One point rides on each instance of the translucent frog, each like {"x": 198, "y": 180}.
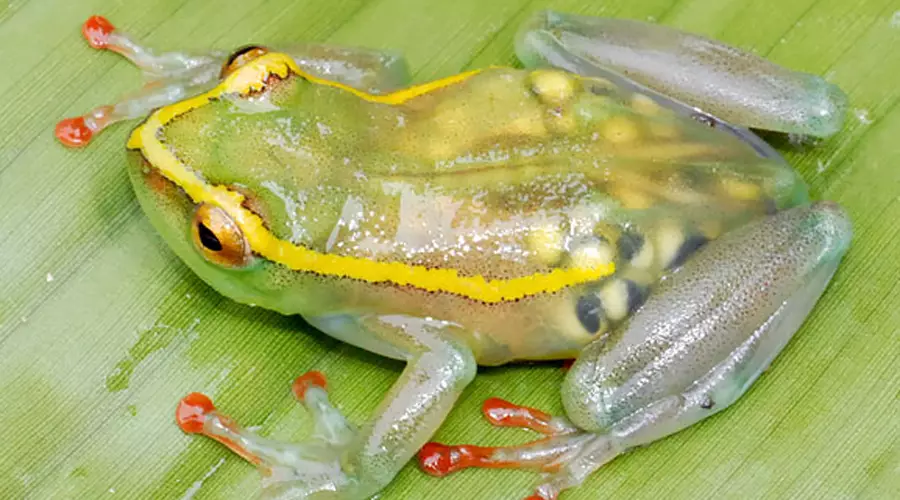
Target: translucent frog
{"x": 605, "y": 204}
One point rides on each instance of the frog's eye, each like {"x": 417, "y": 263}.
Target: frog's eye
{"x": 218, "y": 238}
{"x": 241, "y": 57}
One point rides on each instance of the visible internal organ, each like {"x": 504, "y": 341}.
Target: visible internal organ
{"x": 642, "y": 255}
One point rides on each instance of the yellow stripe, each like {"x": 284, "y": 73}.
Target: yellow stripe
{"x": 252, "y": 77}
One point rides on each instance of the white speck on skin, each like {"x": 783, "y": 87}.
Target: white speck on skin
{"x": 189, "y": 494}
{"x": 895, "y": 19}
{"x": 49, "y": 277}
{"x": 24, "y": 319}
{"x": 187, "y": 295}
{"x": 863, "y": 116}
{"x": 294, "y": 206}
{"x": 323, "y": 129}
{"x": 112, "y": 490}
{"x": 821, "y": 166}
{"x": 797, "y": 140}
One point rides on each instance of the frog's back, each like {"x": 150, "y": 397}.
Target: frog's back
{"x": 505, "y": 175}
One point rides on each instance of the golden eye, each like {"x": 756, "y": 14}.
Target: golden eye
{"x": 240, "y": 57}
{"x": 218, "y": 238}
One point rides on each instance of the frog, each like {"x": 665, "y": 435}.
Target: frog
{"x": 606, "y": 202}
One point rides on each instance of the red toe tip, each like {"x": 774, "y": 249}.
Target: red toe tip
{"x": 192, "y": 411}
{"x": 491, "y": 403}
{"x": 435, "y": 460}
{"x": 73, "y": 132}
{"x": 96, "y": 31}
{"x": 307, "y": 380}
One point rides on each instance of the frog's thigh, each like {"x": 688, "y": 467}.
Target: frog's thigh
{"x": 439, "y": 368}
{"x": 710, "y": 329}
{"x": 736, "y": 86}
{"x": 369, "y": 70}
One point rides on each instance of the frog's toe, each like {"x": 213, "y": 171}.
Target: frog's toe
{"x": 75, "y": 132}
{"x": 502, "y": 413}
{"x": 298, "y": 468}
{"x": 546, "y": 454}
{"x": 97, "y": 30}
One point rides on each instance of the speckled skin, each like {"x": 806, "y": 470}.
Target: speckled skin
{"x": 762, "y": 278}
{"x": 504, "y": 175}
{"x": 719, "y": 79}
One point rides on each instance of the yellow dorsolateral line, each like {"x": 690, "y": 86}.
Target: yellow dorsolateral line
{"x": 252, "y": 77}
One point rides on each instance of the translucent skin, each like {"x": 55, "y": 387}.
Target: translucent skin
{"x": 508, "y": 193}
{"x": 731, "y": 84}
{"x": 494, "y": 216}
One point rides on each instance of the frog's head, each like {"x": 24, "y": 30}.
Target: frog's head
{"x": 209, "y": 164}
{"x": 170, "y": 77}
{"x": 202, "y": 184}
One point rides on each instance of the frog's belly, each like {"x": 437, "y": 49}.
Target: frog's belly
{"x": 538, "y": 327}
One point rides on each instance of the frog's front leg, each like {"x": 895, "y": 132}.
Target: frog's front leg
{"x": 697, "y": 344}
{"x": 725, "y": 82}
{"x": 174, "y": 76}
{"x": 340, "y": 460}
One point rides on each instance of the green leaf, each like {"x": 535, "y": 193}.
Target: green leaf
{"x": 102, "y": 329}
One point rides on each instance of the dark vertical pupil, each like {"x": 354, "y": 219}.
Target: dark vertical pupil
{"x": 207, "y": 238}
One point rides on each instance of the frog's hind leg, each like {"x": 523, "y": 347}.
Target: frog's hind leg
{"x": 695, "y": 346}
{"x": 725, "y": 82}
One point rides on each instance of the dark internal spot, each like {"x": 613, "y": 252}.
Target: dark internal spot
{"x": 637, "y": 295}
{"x": 208, "y": 238}
{"x": 771, "y": 207}
{"x": 707, "y": 403}
{"x": 590, "y": 312}
{"x": 630, "y": 244}
{"x": 693, "y": 243}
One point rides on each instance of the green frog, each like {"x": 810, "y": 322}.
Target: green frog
{"x": 605, "y": 204}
